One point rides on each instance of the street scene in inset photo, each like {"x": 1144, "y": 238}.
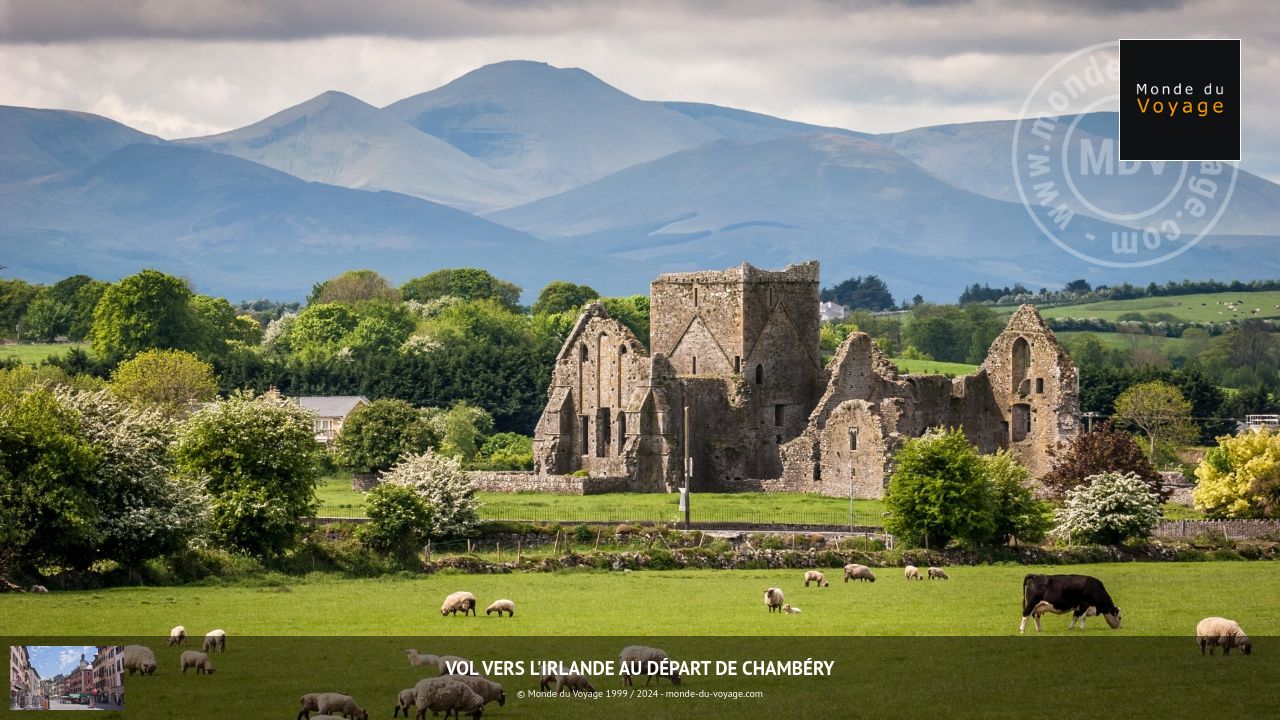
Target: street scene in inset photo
{"x": 66, "y": 677}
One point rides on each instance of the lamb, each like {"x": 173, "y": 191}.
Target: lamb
{"x": 331, "y": 703}
{"x": 484, "y": 687}
{"x": 39, "y": 589}
{"x": 937, "y": 573}
{"x": 574, "y": 683}
{"x": 633, "y": 654}
{"x": 405, "y": 701}
{"x": 460, "y": 601}
{"x": 447, "y": 694}
{"x": 139, "y": 659}
{"x": 815, "y": 576}
{"x": 858, "y": 572}
{"x": 773, "y": 599}
{"x": 215, "y": 639}
{"x": 416, "y": 659}
{"x": 177, "y": 636}
{"x": 791, "y": 609}
{"x": 911, "y": 572}
{"x": 1213, "y": 632}
{"x": 501, "y": 606}
{"x": 197, "y": 660}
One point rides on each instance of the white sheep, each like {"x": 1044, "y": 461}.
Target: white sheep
{"x": 403, "y": 702}
{"x": 461, "y": 601}
{"x": 447, "y": 694}
{"x": 791, "y": 609}
{"x": 938, "y": 574}
{"x": 773, "y": 599}
{"x": 501, "y": 606}
{"x": 197, "y": 660}
{"x": 331, "y": 703}
{"x": 1213, "y": 632}
{"x": 139, "y": 659}
{"x": 177, "y": 636}
{"x": 854, "y": 571}
{"x": 416, "y": 659}
{"x": 911, "y": 572}
{"x": 637, "y": 657}
{"x": 484, "y": 687}
{"x": 815, "y": 576}
{"x": 574, "y": 683}
{"x": 39, "y": 589}
{"x": 215, "y": 640}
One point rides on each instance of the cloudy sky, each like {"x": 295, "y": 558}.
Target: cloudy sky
{"x": 188, "y": 67}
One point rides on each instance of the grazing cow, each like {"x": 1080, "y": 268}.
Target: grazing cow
{"x": 1081, "y": 595}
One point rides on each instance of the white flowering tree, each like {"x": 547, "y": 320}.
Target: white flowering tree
{"x": 1109, "y": 509}
{"x": 447, "y": 492}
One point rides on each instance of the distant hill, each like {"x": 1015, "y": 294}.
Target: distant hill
{"x": 39, "y": 143}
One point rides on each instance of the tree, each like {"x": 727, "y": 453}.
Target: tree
{"x": 377, "y": 435}
{"x": 144, "y": 311}
{"x": 1104, "y": 449}
{"x": 939, "y": 491}
{"x": 1240, "y": 478}
{"x": 1078, "y": 286}
{"x": 1016, "y": 511}
{"x": 400, "y": 520}
{"x": 172, "y": 381}
{"x": 47, "y": 512}
{"x": 144, "y": 511}
{"x": 46, "y": 318}
{"x": 464, "y": 283}
{"x": 462, "y": 430}
{"x": 560, "y": 296}
{"x": 257, "y": 458}
{"x": 353, "y": 287}
{"x": 869, "y": 293}
{"x": 506, "y": 451}
{"x": 1159, "y": 411}
{"x": 446, "y": 491}
{"x": 1111, "y": 509}
{"x": 320, "y": 328}
{"x": 15, "y": 296}
{"x": 632, "y": 311}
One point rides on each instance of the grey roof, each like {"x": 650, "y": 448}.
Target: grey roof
{"x": 331, "y": 406}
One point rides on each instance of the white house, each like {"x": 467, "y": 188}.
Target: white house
{"x": 331, "y": 412}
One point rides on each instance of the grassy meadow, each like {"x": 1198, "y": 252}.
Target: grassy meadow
{"x": 933, "y": 367}
{"x": 1202, "y": 307}
{"x": 32, "y": 353}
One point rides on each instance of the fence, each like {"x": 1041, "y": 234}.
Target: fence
{"x": 620, "y": 515}
{"x": 1230, "y": 529}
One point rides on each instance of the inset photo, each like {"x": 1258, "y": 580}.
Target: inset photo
{"x": 66, "y": 677}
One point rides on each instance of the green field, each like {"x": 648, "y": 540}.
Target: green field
{"x": 1156, "y": 599}
{"x": 897, "y": 649}
{"x": 933, "y": 367}
{"x": 1204, "y": 307}
{"x": 335, "y": 494}
{"x": 1168, "y": 346}
{"x": 33, "y": 353}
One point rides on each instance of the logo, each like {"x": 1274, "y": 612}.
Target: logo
{"x": 1082, "y": 196}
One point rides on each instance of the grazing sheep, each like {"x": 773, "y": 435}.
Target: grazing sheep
{"x": 215, "y": 639}
{"x": 331, "y": 703}
{"x": 791, "y": 609}
{"x": 642, "y": 654}
{"x": 197, "y": 660}
{"x": 937, "y": 573}
{"x": 815, "y": 576}
{"x": 858, "y": 572}
{"x": 447, "y": 694}
{"x": 139, "y": 659}
{"x": 574, "y": 683}
{"x": 403, "y": 702}
{"x": 416, "y": 659}
{"x": 461, "y": 601}
{"x": 911, "y": 572}
{"x": 484, "y": 687}
{"x": 501, "y": 606}
{"x": 177, "y": 636}
{"x": 773, "y": 599}
{"x": 39, "y": 589}
{"x": 1213, "y": 632}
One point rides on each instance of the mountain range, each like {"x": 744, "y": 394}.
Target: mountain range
{"x": 540, "y": 173}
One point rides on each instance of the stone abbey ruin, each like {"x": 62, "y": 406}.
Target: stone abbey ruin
{"x": 736, "y": 352}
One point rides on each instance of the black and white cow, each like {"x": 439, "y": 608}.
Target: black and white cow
{"x": 1080, "y": 595}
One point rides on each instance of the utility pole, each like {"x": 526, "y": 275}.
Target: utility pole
{"x": 688, "y": 468}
